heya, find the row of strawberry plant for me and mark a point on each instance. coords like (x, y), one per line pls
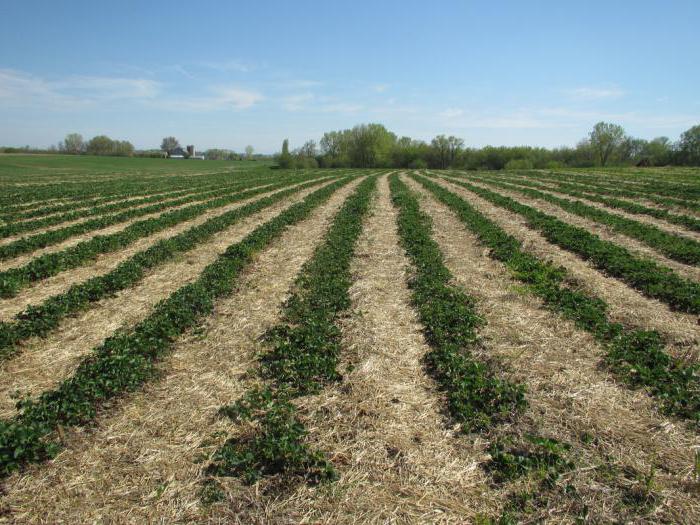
(637, 357)
(47, 265)
(687, 221)
(118, 188)
(22, 226)
(41, 319)
(127, 359)
(42, 240)
(614, 190)
(476, 397)
(304, 356)
(103, 204)
(681, 249)
(646, 276)
(59, 207)
(689, 192)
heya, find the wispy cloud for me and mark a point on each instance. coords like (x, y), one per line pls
(18, 88)
(380, 88)
(222, 98)
(587, 93)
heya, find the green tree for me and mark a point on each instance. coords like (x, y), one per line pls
(606, 139)
(285, 158)
(658, 151)
(249, 152)
(100, 145)
(73, 143)
(169, 144)
(689, 147)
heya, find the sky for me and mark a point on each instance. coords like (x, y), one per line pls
(228, 74)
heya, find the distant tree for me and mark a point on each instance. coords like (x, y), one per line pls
(73, 143)
(220, 154)
(169, 144)
(658, 151)
(308, 149)
(100, 145)
(605, 139)
(440, 149)
(123, 148)
(285, 158)
(689, 147)
(631, 150)
(249, 152)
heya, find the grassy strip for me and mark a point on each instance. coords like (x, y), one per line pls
(40, 320)
(42, 240)
(476, 397)
(13, 280)
(303, 358)
(686, 221)
(681, 249)
(650, 278)
(636, 357)
(127, 360)
(15, 228)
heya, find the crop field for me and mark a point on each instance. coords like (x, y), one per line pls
(222, 342)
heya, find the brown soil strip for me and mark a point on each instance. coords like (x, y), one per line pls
(140, 463)
(626, 304)
(603, 231)
(104, 263)
(568, 392)
(382, 427)
(45, 362)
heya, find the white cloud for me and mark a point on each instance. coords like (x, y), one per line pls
(596, 93)
(222, 98)
(18, 88)
(380, 88)
(108, 87)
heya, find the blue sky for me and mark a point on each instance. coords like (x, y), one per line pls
(227, 74)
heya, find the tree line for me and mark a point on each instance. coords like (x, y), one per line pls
(373, 146)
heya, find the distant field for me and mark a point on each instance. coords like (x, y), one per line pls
(47, 168)
(200, 341)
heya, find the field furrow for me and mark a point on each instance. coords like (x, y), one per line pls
(383, 426)
(106, 263)
(43, 363)
(144, 455)
(567, 392)
(682, 225)
(648, 248)
(627, 305)
(644, 274)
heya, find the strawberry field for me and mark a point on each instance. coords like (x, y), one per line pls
(210, 342)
